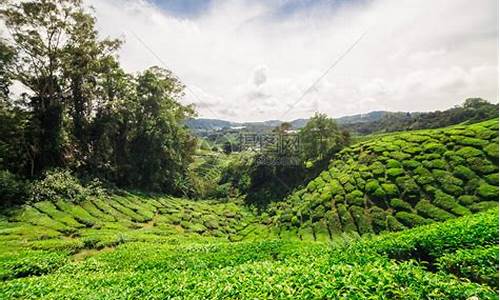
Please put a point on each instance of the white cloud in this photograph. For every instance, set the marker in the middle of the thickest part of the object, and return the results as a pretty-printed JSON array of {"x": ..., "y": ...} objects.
[{"x": 243, "y": 60}]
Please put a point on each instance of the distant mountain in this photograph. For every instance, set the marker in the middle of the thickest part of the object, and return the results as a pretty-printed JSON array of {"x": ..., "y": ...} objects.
[
  {"x": 199, "y": 125},
  {"x": 363, "y": 118}
]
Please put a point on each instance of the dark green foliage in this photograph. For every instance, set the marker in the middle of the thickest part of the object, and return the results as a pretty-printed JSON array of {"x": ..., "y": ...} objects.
[
  {"x": 408, "y": 187},
  {"x": 487, "y": 191},
  {"x": 361, "y": 219},
  {"x": 411, "y": 220},
  {"x": 394, "y": 225},
  {"x": 12, "y": 188},
  {"x": 424, "y": 176},
  {"x": 378, "y": 218},
  {"x": 481, "y": 165},
  {"x": 492, "y": 179},
  {"x": 448, "y": 203},
  {"x": 483, "y": 206},
  {"x": 411, "y": 164},
  {"x": 467, "y": 199},
  {"x": 463, "y": 172},
  {"x": 425, "y": 208},
  {"x": 346, "y": 219}
]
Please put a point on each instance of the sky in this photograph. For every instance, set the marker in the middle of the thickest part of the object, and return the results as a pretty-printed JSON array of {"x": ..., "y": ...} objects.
[{"x": 276, "y": 59}]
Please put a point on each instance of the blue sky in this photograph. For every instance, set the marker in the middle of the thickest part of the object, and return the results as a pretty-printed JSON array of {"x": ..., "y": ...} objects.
[{"x": 252, "y": 60}]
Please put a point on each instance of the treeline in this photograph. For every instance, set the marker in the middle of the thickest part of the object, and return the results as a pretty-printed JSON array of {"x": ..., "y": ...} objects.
[
  {"x": 472, "y": 110},
  {"x": 79, "y": 110}
]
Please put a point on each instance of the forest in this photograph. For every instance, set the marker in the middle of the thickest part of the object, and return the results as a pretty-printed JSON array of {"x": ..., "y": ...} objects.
[{"x": 106, "y": 192}]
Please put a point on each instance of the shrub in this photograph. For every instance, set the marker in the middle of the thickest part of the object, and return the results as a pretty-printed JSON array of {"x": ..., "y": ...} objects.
[
  {"x": 425, "y": 208},
  {"x": 61, "y": 185},
  {"x": 390, "y": 189},
  {"x": 379, "y": 219},
  {"x": 408, "y": 186},
  {"x": 371, "y": 186},
  {"x": 487, "y": 191},
  {"x": 424, "y": 176},
  {"x": 492, "y": 179},
  {"x": 333, "y": 222},
  {"x": 467, "y": 152},
  {"x": 483, "y": 206},
  {"x": 463, "y": 172},
  {"x": 467, "y": 199},
  {"x": 394, "y": 172},
  {"x": 12, "y": 188},
  {"x": 355, "y": 198},
  {"x": 435, "y": 164},
  {"x": 346, "y": 219},
  {"x": 392, "y": 163},
  {"x": 481, "y": 165},
  {"x": 361, "y": 219},
  {"x": 411, "y": 220},
  {"x": 411, "y": 164},
  {"x": 394, "y": 225},
  {"x": 399, "y": 204},
  {"x": 478, "y": 265},
  {"x": 434, "y": 147},
  {"x": 492, "y": 150},
  {"x": 447, "y": 202},
  {"x": 377, "y": 168}
]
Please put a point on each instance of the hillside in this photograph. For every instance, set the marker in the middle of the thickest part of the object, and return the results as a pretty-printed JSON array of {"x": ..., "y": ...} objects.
[
  {"x": 396, "y": 181},
  {"x": 138, "y": 247}
]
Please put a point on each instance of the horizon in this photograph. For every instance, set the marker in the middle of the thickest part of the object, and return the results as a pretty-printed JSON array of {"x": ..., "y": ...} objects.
[{"x": 273, "y": 60}]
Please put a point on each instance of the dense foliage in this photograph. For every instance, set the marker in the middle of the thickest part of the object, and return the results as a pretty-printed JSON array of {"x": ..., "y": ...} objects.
[
  {"x": 398, "y": 181},
  {"x": 80, "y": 110},
  {"x": 134, "y": 246}
]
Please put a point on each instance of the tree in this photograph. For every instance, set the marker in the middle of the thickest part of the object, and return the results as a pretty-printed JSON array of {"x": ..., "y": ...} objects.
[{"x": 320, "y": 136}]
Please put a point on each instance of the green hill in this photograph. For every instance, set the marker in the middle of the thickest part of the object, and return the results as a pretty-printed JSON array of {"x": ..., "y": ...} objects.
[{"x": 397, "y": 181}]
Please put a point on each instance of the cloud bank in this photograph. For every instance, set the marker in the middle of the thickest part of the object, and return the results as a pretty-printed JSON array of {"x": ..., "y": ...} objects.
[{"x": 252, "y": 60}]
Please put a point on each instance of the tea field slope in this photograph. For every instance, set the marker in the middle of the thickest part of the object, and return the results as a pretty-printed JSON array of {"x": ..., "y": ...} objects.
[
  {"x": 397, "y": 181},
  {"x": 456, "y": 259}
]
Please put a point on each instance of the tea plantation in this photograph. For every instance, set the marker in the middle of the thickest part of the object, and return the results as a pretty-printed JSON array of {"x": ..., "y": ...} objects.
[
  {"x": 330, "y": 240},
  {"x": 397, "y": 181},
  {"x": 101, "y": 250}
]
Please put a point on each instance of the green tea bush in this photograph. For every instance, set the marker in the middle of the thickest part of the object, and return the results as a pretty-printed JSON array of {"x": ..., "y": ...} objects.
[
  {"x": 408, "y": 186},
  {"x": 448, "y": 203},
  {"x": 467, "y": 199},
  {"x": 411, "y": 164},
  {"x": 492, "y": 150},
  {"x": 391, "y": 190},
  {"x": 468, "y": 152},
  {"x": 399, "y": 204},
  {"x": 361, "y": 219},
  {"x": 394, "y": 172},
  {"x": 435, "y": 164},
  {"x": 31, "y": 263},
  {"x": 481, "y": 165},
  {"x": 378, "y": 218},
  {"x": 394, "y": 225},
  {"x": 355, "y": 198},
  {"x": 483, "y": 206},
  {"x": 411, "y": 220},
  {"x": 424, "y": 176},
  {"x": 487, "y": 191},
  {"x": 492, "y": 179},
  {"x": 425, "y": 208},
  {"x": 392, "y": 163},
  {"x": 478, "y": 265},
  {"x": 463, "y": 172},
  {"x": 346, "y": 219}
]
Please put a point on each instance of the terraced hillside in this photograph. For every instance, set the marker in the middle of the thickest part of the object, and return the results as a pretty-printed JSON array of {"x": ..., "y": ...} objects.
[
  {"x": 99, "y": 223},
  {"x": 397, "y": 181},
  {"x": 457, "y": 259}
]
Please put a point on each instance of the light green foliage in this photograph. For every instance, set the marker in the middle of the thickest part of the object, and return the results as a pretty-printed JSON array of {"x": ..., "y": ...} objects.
[
  {"x": 391, "y": 190},
  {"x": 492, "y": 150},
  {"x": 355, "y": 198},
  {"x": 478, "y": 265},
  {"x": 394, "y": 172},
  {"x": 467, "y": 152},
  {"x": 463, "y": 172}
]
